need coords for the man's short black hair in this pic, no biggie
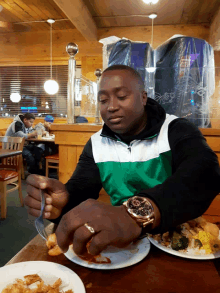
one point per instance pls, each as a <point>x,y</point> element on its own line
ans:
<point>129,69</point>
<point>29,116</point>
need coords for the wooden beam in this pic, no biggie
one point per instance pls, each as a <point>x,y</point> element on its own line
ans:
<point>10,27</point>
<point>214,36</point>
<point>79,15</point>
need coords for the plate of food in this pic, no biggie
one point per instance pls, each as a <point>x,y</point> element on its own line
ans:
<point>195,239</point>
<point>48,137</point>
<point>39,276</point>
<point>109,259</point>
<point>113,257</point>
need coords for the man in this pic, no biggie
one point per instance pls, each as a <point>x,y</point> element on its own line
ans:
<point>141,151</point>
<point>81,119</point>
<point>22,127</point>
<point>45,127</point>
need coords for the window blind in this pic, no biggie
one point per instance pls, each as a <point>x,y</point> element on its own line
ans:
<point>29,82</point>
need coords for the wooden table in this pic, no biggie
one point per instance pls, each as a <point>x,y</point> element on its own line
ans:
<point>40,140</point>
<point>158,272</point>
<point>8,153</point>
<point>49,143</point>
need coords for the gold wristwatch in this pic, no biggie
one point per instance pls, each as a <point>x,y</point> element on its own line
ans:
<point>141,210</point>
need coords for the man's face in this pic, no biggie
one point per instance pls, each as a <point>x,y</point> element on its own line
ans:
<point>28,123</point>
<point>121,102</point>
<point>47,124</point>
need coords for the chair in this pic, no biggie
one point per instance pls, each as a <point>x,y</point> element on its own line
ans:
<point>10,170</point>
<point>53,159</point>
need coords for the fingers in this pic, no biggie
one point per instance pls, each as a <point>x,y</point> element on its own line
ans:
<point>36,194</point>
<point>43,182</point>
<point>81,237</point>
<point>99,242</point>
<point>69,223</point>
<point>38,181</point>
<point>36,213</point>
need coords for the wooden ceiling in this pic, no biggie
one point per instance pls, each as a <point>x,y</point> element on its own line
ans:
<point>108,13</point>
<point>31,15</point>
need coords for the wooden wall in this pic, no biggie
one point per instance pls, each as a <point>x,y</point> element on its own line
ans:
<point>29,48</point>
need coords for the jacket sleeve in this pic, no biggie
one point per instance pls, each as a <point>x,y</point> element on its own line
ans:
<point>194,183</point>
<point>19,130</point>
<point>85,182</point>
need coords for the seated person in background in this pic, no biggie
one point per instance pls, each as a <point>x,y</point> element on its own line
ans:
<point>157,169</point>
<point>22,127</point>
<point>81,119</point>
<point>45,127</point>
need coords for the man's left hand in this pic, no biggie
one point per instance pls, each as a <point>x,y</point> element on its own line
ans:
<point>112,225</point>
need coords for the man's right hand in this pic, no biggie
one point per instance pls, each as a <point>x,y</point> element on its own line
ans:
<point>32,134</point>
<point>55,192</point>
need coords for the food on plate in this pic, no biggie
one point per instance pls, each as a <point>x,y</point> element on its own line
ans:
<point>198,235</point>
<point>30,279</point>
<point>24,286</point>
<point>52,245</point>
<point>100,259</point>
<point>179,242</point>
<point>54,249</point>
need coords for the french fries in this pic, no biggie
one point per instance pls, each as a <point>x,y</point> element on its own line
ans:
<point>20,286</point>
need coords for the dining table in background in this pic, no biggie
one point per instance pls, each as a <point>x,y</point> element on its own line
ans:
<point>41,140</point>
<point>48,142</point>
<point>157,272</point>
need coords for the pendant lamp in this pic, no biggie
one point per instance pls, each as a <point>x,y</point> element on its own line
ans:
<point>152,16</point>
<point>51,86</point>
<point>150,1</point>
<point>15,95</point>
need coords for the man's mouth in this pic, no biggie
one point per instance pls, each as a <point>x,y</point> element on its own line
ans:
<point>115,119</point>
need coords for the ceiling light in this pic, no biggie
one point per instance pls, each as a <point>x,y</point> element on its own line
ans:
<point>150,1</point>
<point>51,86</point>
<point>150,69</point>
<point>152,15</point>
<point>15,97</point>
<point>50,20</point>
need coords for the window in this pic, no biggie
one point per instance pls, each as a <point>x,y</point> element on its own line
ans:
<point>29,82</point>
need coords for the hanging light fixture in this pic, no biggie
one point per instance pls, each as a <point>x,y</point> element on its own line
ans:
<point>15,96</point>
<point>152,16</point>
<point>150,1</point>
<point>51,86</point>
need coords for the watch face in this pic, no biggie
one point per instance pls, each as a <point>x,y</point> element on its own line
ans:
<point>140,206</point>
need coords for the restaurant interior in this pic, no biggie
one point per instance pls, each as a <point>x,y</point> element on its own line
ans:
<point>70,43</point>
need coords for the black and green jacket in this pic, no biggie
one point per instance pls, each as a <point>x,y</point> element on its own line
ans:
<point>168,162</point>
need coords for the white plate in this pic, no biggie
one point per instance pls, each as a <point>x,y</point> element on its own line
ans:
<point>50,137</point>
<point>189,254</point>
<point>48,271</point>
<point>120,257</point>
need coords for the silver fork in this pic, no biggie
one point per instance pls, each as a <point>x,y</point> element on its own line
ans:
<point>39,223</point>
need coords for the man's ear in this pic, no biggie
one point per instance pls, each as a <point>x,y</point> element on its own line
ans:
<point>144,98</point>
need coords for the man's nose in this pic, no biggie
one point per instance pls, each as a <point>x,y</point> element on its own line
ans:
<point>112,105</point>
